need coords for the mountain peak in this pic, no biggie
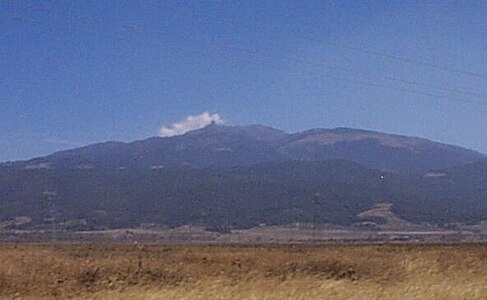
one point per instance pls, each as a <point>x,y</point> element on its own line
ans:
<point>255,131</point>
<point>222,145</point>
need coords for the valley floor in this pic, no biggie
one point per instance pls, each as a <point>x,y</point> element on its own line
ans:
<point>285,234</point>
<point>108,271</point>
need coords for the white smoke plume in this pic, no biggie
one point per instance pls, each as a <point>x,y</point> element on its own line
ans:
<point>190,123</point>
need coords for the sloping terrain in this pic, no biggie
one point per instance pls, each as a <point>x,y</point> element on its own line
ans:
<point>376,150</point>
<point>221,146</point>
<point>239,197</point>
<point>238,177</point>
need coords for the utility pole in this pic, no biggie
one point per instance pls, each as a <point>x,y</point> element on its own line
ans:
<point>316,207</point>
<point>50,204</point>
<point>382,183</point>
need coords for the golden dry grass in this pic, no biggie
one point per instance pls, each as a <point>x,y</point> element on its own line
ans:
<point>243,272</point>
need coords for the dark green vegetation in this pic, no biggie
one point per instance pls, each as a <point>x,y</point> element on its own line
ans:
<point>240,177</point>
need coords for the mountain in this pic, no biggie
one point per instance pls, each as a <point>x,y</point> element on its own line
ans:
<point>376,150</point>
<point>245,176</point>
<point>213,145</point>
<point>218,146</point>
<point>273,193</point>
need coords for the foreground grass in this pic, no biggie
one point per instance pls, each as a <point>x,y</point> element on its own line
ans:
<point>243,272</point>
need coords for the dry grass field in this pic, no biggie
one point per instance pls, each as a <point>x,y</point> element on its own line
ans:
<point>243,272</point>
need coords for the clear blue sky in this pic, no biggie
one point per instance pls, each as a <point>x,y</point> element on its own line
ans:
<point>78,72</point>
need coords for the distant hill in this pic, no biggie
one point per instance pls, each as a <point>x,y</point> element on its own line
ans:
<point>219,146</point>
<point>376,150</point>
<point>239,177</point>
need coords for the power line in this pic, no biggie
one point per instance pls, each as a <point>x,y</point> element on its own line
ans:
<point>302,61</point>
<point>410,61</point>
<point>321,65</point>
<point>333,77</point>
<point>384,55</point>
<point>346,47</point>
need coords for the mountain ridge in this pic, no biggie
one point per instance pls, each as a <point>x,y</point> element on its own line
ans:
<point>217,145</point>
<point>244,176</point>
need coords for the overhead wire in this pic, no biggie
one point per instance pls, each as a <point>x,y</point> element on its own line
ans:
<point>410,60</point>
<point>155,5</point>
<point>320,75</point>
<point>261,53</point>
<point>316,75</point>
